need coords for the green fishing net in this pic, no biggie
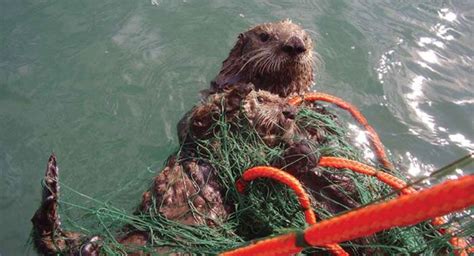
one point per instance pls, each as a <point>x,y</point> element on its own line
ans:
<point>267,208</point>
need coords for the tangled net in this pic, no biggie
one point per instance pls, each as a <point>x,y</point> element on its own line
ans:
<point>267,208</point>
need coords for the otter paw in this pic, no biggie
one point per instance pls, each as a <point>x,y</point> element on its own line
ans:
<point>300,157</point>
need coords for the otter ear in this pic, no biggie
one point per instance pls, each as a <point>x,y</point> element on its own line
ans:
<point>228,75</point>
<point>239,46</point>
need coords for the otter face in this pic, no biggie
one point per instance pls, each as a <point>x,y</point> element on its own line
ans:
<point>270,115</point>
<point>276,57</point>
<point>272,47</point>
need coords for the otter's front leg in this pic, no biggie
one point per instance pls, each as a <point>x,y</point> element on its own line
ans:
<point>48,236</point>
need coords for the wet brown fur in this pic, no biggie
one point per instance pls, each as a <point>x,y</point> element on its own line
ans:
<point>186,192</point>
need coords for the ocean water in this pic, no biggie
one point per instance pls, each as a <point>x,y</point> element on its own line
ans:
<point>102,84</point>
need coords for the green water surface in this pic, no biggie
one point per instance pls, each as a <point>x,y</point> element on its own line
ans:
<point>102,84</point>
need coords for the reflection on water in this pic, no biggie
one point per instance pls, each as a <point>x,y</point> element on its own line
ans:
<point>462,141</point>
<point>103,84</point>
<point>446,14</point>
<point>414,98</point>
<point>361,140</point>
<point>416,168</point>
<point>430,68</point>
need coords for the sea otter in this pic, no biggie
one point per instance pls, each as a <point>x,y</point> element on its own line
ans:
<point>270,115</point>
<point>276,57</point>
<point>269,61</point>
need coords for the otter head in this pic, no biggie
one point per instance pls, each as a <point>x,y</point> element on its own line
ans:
<point>276,57</point>
<point>271,116</point>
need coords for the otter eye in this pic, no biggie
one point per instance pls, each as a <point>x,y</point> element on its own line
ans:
<point>264,37</point>
<point>260,99</point>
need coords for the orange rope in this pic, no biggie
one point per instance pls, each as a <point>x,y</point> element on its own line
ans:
<point>378,147</point>
<point>340,163</point>
<point>295,185</point>
<point>373,136</point>
<point>405,210</point>
<point>395,183</point>
<point>285,178</point>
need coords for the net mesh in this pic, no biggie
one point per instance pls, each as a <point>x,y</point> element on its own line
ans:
<point>266,208</point>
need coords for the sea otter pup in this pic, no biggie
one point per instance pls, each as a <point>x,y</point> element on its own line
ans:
<point>270,115</point>
<point>276,57</point>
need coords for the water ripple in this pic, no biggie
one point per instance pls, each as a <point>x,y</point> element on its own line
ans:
<point>103,83</point>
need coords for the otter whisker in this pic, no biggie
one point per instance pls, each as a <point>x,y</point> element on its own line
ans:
<point>260,64</point>
<point>269,63</point>
<point>268,60</point>
<point>258,55</point>
<point>252,54</point>
<point>310,58</point>
<point>276,64</point>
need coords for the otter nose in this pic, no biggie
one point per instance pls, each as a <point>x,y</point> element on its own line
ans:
<point>289,112</point>
<point>294,46</point>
